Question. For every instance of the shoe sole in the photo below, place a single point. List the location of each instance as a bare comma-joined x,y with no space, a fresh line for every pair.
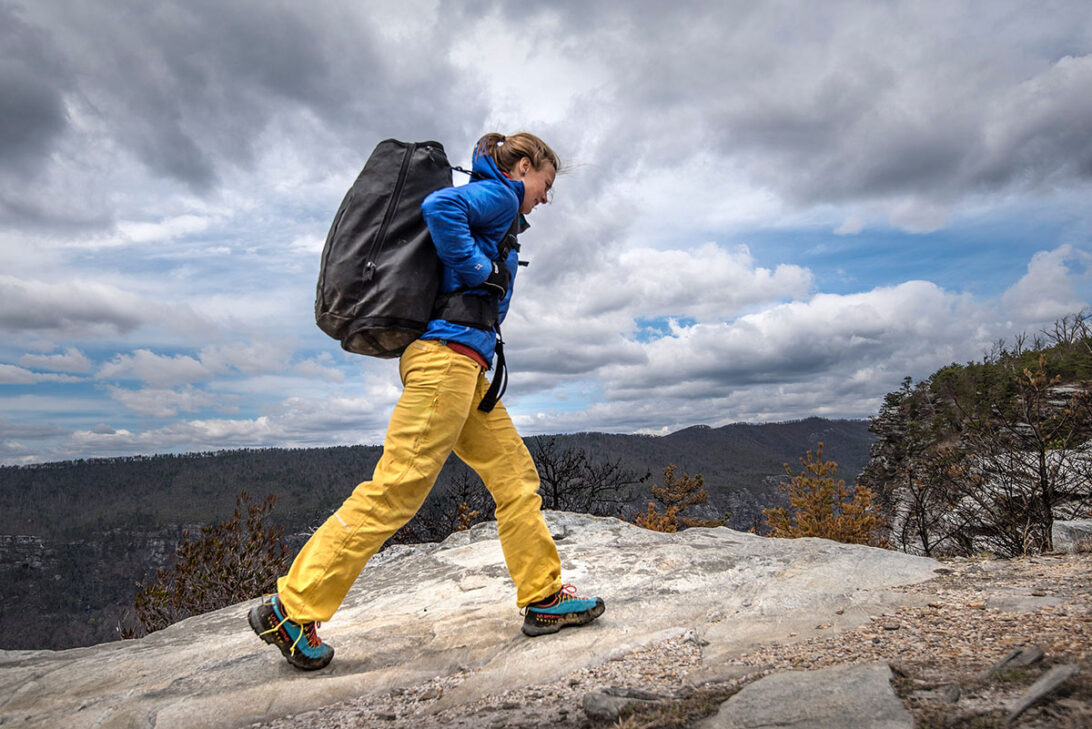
255,620
535,629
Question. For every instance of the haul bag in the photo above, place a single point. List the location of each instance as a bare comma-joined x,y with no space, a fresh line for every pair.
380,274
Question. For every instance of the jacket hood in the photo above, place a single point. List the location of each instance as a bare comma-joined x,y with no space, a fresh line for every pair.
486,169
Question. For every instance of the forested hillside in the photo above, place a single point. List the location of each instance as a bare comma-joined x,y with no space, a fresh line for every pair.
76,537
74,498
984,456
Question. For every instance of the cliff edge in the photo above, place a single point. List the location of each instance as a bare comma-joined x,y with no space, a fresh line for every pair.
427,611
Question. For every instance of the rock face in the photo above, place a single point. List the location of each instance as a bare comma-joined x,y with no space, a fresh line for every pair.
431,610
1070,536
843,697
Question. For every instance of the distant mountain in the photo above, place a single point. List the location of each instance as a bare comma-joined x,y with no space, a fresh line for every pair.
76,536
742,464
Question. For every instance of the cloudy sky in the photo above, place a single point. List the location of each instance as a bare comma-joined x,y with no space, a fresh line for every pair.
770,210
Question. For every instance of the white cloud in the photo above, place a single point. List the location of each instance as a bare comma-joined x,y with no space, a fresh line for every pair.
88,310
302,423
163,231
71,360
707,283
163,403
852,225
154,369
586,317
9,429
307,245
13,375
1046,291
319,367
918,216
911,326
250,359
163,371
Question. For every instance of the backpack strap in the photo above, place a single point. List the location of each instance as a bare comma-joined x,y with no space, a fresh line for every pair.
482,312
500,379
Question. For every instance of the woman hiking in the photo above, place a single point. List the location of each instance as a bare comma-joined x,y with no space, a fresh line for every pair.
443,376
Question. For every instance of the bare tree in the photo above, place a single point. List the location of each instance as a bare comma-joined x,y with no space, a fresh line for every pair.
986,456
572,481
927,519
1030,459
458,501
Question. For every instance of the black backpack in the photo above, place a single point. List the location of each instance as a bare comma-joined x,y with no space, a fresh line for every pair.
380,273
379,281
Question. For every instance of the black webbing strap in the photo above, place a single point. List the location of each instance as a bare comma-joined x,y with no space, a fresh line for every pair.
500,380
500,377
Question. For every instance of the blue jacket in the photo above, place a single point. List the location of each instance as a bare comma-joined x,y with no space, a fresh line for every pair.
467,224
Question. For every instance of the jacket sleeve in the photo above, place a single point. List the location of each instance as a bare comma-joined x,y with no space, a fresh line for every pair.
453,213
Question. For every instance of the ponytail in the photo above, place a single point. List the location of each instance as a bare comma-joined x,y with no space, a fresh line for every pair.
507,151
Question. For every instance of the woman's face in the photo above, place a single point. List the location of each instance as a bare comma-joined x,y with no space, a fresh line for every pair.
536,183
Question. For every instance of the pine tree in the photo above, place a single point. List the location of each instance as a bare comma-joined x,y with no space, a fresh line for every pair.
819,506
233,561
676,495
466,517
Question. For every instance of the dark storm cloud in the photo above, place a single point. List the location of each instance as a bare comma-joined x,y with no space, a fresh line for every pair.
33,306
24,431
838,102
190,88
32,113
830,102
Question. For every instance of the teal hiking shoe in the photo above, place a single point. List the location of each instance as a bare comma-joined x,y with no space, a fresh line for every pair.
561,609
300,644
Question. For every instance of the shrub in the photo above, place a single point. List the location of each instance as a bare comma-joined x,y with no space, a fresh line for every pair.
819,506
233,561
676,495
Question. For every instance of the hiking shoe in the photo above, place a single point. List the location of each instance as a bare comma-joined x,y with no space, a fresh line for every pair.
299,643
561,609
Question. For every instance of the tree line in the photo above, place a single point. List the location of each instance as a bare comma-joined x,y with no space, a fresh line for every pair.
984,456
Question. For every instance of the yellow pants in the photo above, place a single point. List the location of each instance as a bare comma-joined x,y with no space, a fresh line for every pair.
438,412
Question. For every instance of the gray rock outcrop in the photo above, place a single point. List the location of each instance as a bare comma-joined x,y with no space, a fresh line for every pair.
843,697
1071,536
1047,684
433,610
606,704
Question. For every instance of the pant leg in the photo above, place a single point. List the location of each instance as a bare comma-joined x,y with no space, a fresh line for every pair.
491,446
439,391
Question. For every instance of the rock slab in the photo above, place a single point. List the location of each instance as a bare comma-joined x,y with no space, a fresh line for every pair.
843,697
606,704
1047,684
1071,536
436,610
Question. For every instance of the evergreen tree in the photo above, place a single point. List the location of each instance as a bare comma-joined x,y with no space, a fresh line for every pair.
676,495
232,561
819,506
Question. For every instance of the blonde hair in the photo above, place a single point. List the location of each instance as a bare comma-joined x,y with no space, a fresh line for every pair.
507,151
